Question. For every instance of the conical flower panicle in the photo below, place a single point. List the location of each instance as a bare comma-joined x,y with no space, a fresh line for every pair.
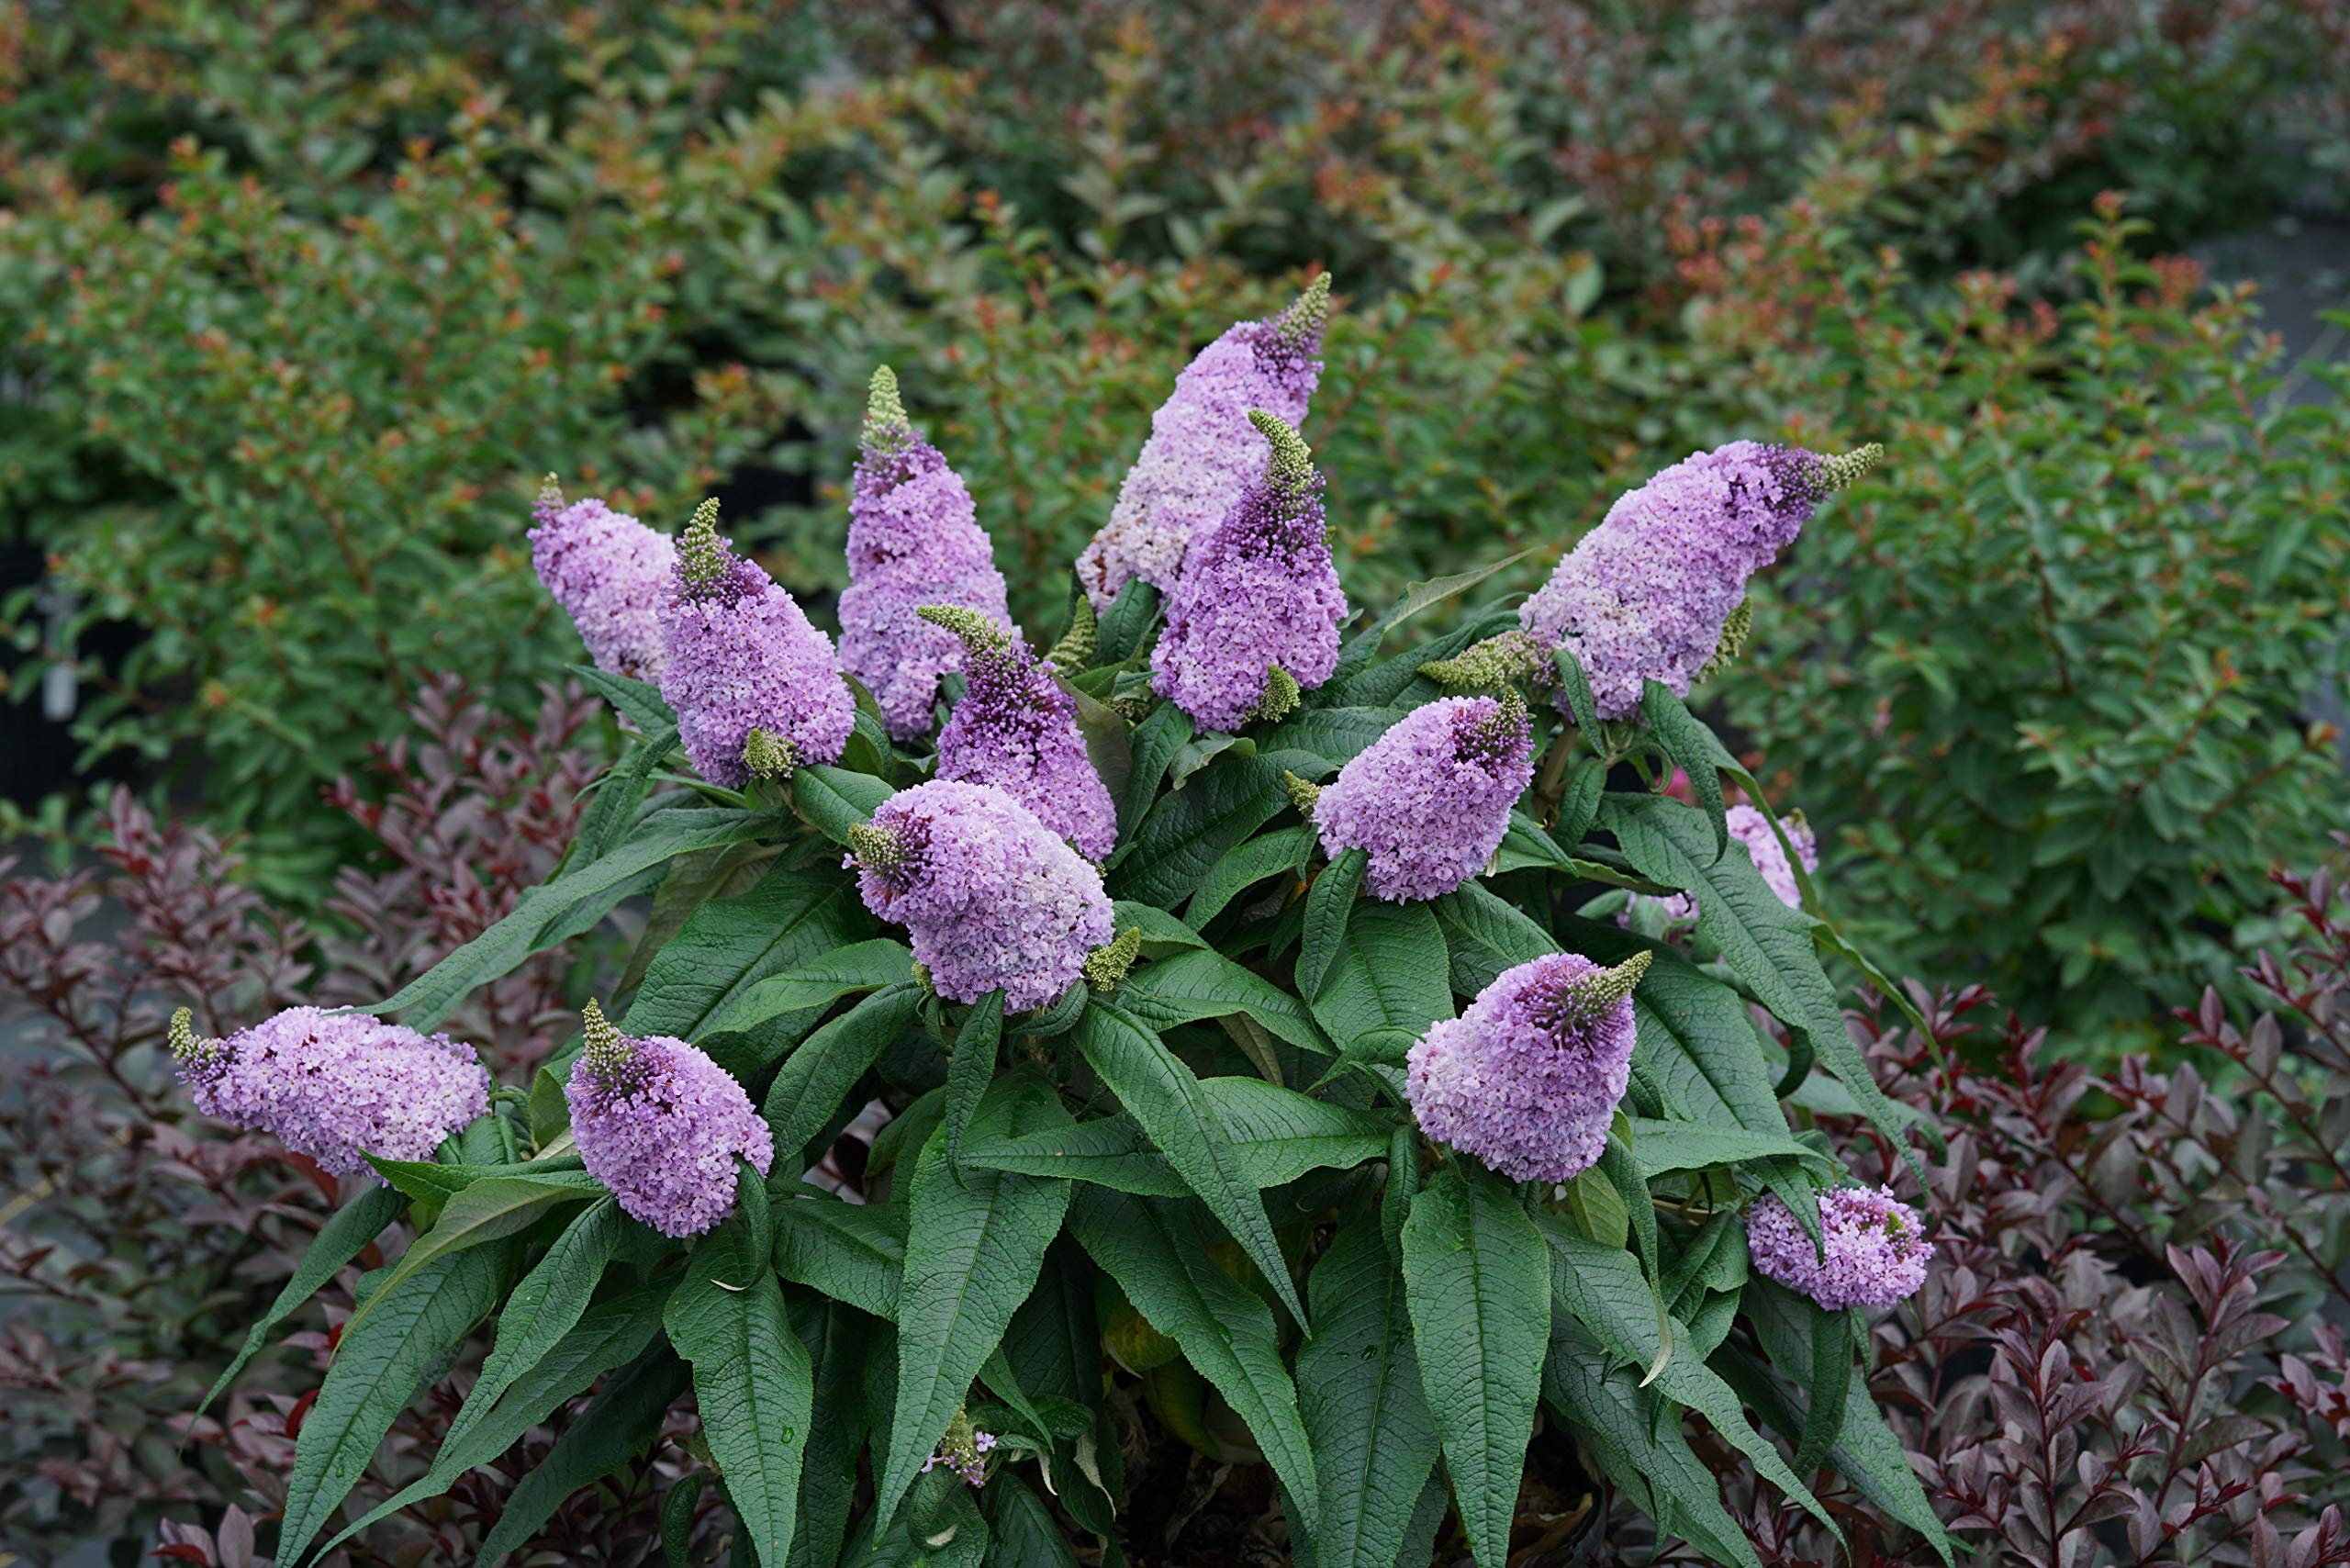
1015,728
1528,1077
1200,457
988,894
1429,801
742,656
335,1086
661,1124
1646,595
1256,612
1874,1249
913,539
610,573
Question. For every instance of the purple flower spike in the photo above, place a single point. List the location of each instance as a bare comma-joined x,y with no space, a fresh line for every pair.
990,895
1528,1077
1875,1251
1647,594
1016,729
1200,459
610,573
1430,799
661,1124
742,656
912,540
334,1086
1256,615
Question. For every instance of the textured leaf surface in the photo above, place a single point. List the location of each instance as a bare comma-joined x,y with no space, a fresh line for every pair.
975,1240
619,1424
1358,1380
1199,984
814,1079
1162,1095
1158,1253
487,1210
1188,832
728,946
377,1366
835,800
1391,974
543,1308
853,1252
814,981
1477,1280
752,1381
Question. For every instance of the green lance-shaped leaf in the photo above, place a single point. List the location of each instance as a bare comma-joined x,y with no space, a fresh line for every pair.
1189,987
1021,1530
1864,1449
619,1424
1154,743
1766,945
344,1235
544,1308
852,1252
1284,850
1328,904
1359,1379
1160,1254
550,912
609,1335
1690,747
834,799
1603,1289
1635,1435
1391,978
786,922
839,1342
971,1068
1477,1280
487,1210
813,1079
639,702
377,1366
1162,1094
617,796
975,1240
752,1381
1191,830
814,984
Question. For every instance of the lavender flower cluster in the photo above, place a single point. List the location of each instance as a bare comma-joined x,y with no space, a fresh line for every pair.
1646,594
964,1450
610,573
1016,729
1256,614
661,1124
742,656
1874,1250
1199,460
990,896
913,539
334,1086
1430,799
1528,1078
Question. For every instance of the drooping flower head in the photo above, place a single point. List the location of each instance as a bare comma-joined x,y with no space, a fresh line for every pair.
1430,799
990,896
1874,1250
661,1124
610,573
1753,829
1256,614
1648,593
1528,1077
1200,457
964,1449
334,1086
912,540
1016,729
742,656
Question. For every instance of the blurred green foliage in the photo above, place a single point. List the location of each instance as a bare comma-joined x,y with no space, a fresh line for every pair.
300,299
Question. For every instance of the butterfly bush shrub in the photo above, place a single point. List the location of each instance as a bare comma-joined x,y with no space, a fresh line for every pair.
1289,1100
